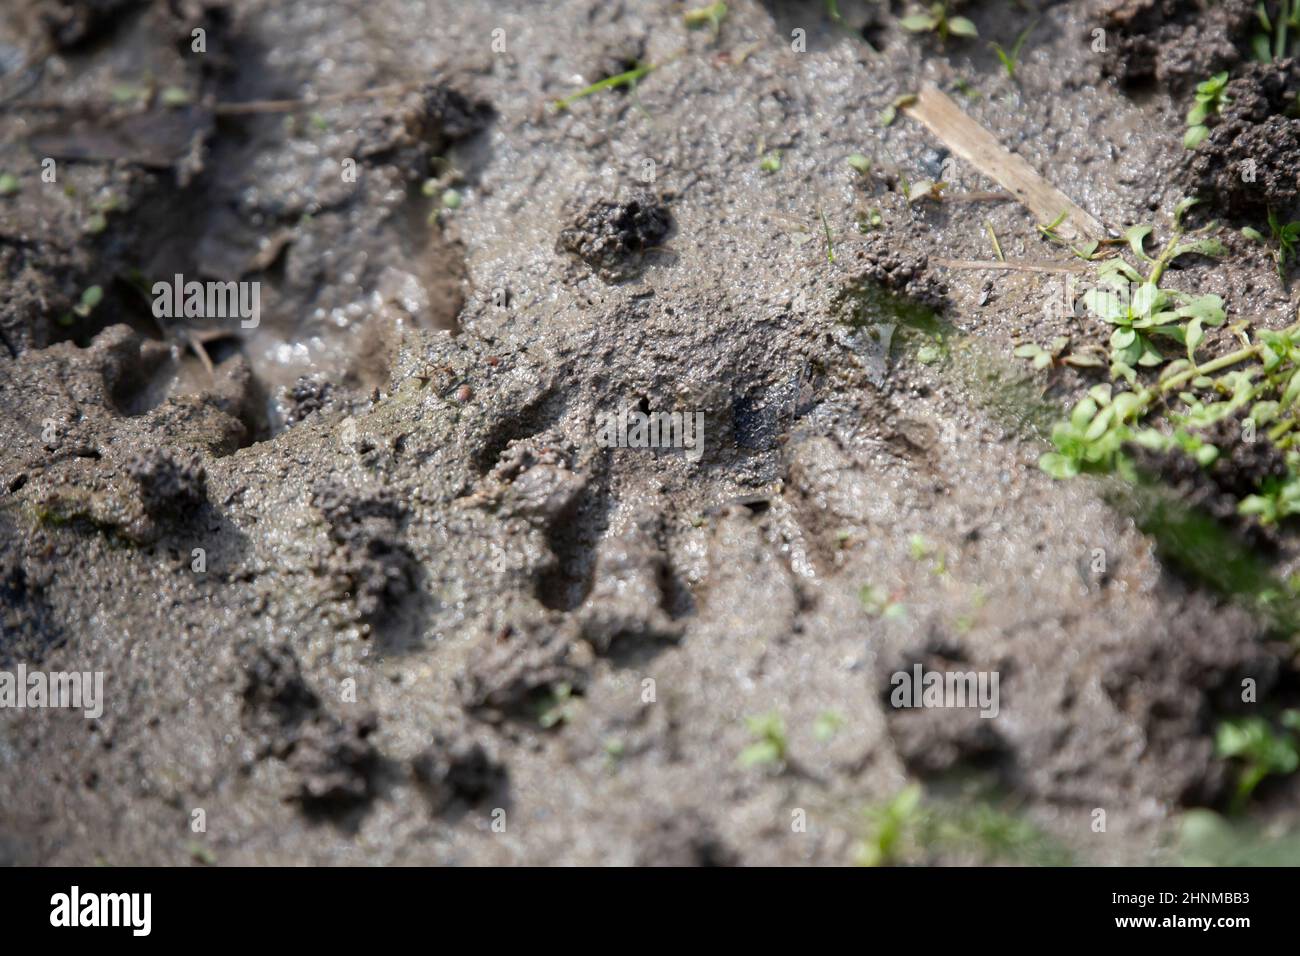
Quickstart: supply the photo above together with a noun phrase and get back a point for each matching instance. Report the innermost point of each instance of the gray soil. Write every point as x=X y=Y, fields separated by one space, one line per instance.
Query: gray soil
x=431 y=601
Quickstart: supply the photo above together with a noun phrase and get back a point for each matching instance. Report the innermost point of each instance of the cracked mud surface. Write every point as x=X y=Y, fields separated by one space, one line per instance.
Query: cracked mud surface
x=428 y=594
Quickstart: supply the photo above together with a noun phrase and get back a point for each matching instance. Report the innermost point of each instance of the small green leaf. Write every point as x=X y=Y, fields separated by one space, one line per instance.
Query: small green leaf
x=918 y=23
x=174 y=97
x=962 y=27
x=1136 y=236
x=1058 y=466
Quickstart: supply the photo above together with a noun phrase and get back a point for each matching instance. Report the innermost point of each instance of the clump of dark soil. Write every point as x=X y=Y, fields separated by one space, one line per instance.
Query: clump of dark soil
x=171 y=484
x=611 y=236
x=334 y=763
x=421 y=125
x=683 y=839
x=71 y=23
x=1250 y=162
x=309 y=394
x=458 y=769
x=1173 y=43
x=517 y=663
x=27 y=622
x=369 y=563
x=900 y=270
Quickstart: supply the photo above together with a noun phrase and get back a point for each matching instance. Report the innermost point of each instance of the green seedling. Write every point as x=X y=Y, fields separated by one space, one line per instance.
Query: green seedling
x=938 y=21
x=870 y=221
x=628 y=79
x=89 y=300
x=922 y=550
x=1287 y=238
x=129 y=93
x=1011 y=59
x=769 y=746
x=830 y=244
x=1087 y=252
x=907 y=829
x=859 y=163
x=1142 y=312
x=1210 y=101
x=993 y=239
x=890 y=112
x=710 y=16
x=1279 y=32
x=8 y=184
x=878 y=603
x=889 y=828
x=1059 y=353
x=173 y=97
x=558 y=707
x=1262 y=750
x=200 y=853
x=827 y=725
x=771 y=162
x=1258 y=383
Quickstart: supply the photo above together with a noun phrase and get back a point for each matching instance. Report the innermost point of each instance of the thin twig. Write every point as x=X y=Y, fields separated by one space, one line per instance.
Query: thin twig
x=1012 y=266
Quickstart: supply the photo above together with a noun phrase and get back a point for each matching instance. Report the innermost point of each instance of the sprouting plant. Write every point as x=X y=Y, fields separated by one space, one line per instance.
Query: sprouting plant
x=1257 y=384
x=174 y=97
x=878 y=603
x=90 y=298
x=771 y=162
x=1287 y=238
x=8 y=184
x=938 y=21
x=628 y=79
x=907 y=829
x=712 y=15
x=1210 y=100
x=889 y=827
x=769 y=746
x=890 y=112
x=869 y=221
x=922 y=550
x=1090 y=438
x=1060 y=353
x=1011 y=59
x=1087 y=252
x=827 y=725
x=830 y=245
x=860 y=163
x=1141 y=311
x=1276 y=42
x=557 y=707
x=1262 y=750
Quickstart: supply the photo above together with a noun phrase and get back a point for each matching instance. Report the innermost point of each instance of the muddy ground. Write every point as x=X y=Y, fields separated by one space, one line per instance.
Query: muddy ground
x=436 y=621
